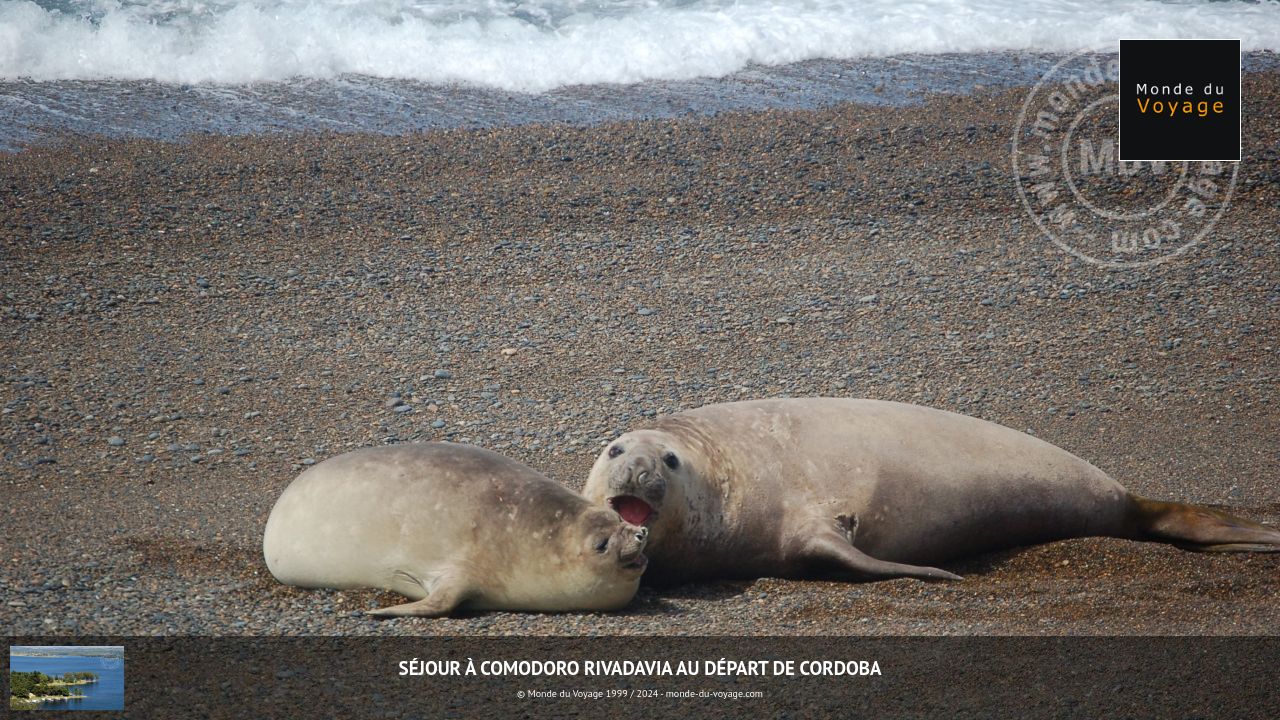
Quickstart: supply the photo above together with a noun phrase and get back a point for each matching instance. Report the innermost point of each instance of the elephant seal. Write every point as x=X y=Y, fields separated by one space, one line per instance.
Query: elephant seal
x=869 y=489
x=448 y=526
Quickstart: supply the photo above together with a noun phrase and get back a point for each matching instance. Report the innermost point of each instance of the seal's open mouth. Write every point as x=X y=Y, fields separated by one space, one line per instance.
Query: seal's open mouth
x=632 y=509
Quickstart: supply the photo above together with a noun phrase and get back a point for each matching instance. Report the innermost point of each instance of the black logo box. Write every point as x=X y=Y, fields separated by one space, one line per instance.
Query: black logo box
x=1157 y=80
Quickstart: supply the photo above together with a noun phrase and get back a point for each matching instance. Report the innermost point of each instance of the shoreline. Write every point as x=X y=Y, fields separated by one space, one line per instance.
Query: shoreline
x=54 y=698
x=46 y=114
x=32 y=702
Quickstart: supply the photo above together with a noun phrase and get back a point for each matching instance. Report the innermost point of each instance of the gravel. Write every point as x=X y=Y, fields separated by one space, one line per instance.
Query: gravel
x=855 y=251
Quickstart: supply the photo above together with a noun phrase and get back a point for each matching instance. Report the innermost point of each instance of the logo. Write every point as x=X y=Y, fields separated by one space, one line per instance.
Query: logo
x=1180 y=100
x=1091 y=204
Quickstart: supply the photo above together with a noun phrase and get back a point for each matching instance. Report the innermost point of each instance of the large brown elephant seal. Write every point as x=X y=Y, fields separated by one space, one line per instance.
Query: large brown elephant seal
x=451 y=525
x=868 y=489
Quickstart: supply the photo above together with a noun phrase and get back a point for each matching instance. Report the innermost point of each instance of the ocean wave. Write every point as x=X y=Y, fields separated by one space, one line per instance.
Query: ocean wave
x=543 y=44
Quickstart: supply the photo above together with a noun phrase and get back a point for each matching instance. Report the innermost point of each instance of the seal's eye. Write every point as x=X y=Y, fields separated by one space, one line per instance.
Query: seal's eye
x=602 y=545
x=615 y=451
x=671 y=460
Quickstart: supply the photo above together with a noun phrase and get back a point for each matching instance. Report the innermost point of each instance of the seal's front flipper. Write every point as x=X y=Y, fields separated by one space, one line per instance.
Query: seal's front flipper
x=833 y=549
x=1201 y=529
x=444 y=598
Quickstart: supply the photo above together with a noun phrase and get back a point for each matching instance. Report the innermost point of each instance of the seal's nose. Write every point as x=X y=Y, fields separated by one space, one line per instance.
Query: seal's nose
x=639 y=470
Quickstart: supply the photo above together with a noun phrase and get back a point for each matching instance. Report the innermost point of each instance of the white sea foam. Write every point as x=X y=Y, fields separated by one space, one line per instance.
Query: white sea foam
x=542 y=44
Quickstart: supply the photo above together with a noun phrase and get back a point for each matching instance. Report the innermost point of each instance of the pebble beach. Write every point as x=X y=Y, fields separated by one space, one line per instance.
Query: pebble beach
x=187 y=325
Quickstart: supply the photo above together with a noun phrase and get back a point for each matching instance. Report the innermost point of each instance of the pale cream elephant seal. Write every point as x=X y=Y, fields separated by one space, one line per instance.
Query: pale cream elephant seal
x=451 y=526
x=868 y=489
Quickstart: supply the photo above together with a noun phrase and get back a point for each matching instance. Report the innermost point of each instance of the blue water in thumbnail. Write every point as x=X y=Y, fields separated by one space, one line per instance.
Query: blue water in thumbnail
x=106 y=694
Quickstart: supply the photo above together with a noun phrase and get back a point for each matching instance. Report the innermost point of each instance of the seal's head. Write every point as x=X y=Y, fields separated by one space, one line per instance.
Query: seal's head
x=607 y=561
x=642 y=476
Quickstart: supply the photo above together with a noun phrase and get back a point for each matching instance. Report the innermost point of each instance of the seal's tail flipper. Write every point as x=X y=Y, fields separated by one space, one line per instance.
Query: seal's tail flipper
x=1201 y=529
